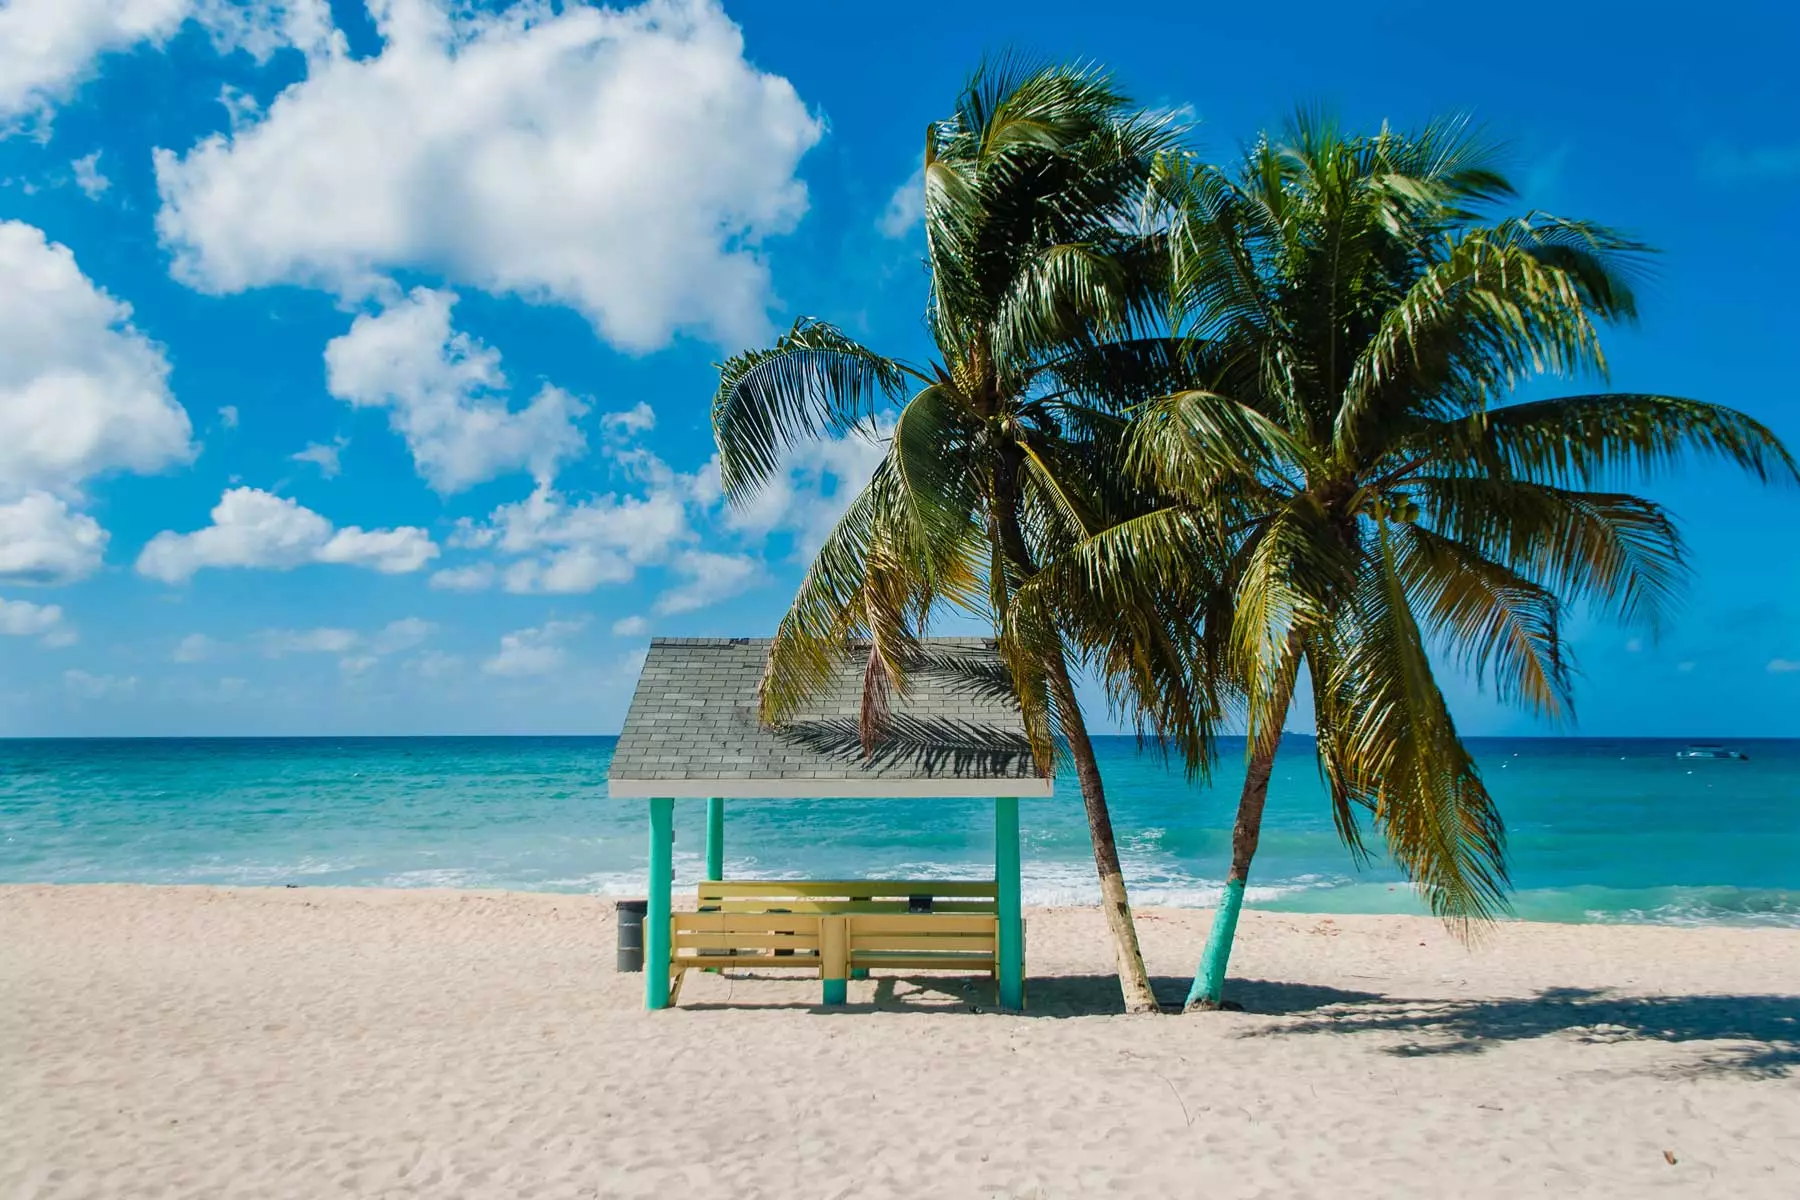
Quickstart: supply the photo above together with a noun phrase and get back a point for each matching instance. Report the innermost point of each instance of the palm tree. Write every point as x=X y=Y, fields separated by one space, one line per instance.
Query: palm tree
x=1047 y=286
x=1349 y=458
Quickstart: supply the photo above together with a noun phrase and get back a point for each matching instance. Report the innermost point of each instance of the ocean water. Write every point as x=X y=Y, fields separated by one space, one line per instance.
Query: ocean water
x=1600 y=830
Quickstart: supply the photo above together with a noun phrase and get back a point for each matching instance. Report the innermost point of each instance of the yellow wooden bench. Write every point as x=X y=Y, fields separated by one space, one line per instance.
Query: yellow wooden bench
x=837 y=928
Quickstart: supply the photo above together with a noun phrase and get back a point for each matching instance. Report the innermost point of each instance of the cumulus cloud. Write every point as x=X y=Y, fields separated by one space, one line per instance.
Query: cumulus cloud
x=254 y=528
x=527 y=652
x=49 y=47
x=1783 y=666
x=88 y=177
x=711 y=577
x=279 y=643
x=445 y=394
x=323 y=455
x=195 y=647
x=81 y=390
x=630 y=627
x=228 y=416
x=22 y=618
x=43 y=541
x=906 y=207
x=476 y=577
x=560 y=545
x=626 y=162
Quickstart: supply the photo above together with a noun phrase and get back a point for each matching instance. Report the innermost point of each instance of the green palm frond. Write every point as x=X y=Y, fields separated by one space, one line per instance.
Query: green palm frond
x=814 y=380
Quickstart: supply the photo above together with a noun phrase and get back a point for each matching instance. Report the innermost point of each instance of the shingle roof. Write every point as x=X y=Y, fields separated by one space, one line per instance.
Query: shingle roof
x=692 y=728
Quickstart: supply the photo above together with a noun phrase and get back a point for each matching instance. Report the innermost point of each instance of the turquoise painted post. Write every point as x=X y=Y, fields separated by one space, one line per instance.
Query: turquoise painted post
x=836 y=991
x=715 y=838
x=656 y=918
x=1209 y=983
x=1012 y=920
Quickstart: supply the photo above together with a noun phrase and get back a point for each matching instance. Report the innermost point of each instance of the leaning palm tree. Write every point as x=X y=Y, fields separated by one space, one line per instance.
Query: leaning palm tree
x=1047 y=288
x=1350 y=465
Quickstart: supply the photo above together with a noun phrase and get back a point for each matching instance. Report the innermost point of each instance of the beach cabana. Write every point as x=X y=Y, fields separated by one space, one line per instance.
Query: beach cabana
x=692 y=733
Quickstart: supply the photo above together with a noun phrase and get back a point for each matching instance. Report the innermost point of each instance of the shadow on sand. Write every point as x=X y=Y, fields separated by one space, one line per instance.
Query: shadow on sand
x=1768 y=1025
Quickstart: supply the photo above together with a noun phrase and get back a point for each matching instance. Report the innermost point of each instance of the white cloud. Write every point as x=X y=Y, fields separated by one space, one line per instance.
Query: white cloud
x=630 y=627
x=279 y=643
x=536 y=651
x=88 y=177
x=711 y=577
x=435 y=664
x=1783 y=666
x=43 y=541
x=1634 y=646
x=195 y=647
x=22 y=618
x=400 y=635
x=98 y=687
x=477 y=577
x=445 y=394
x=228 y=416
x=323 y=456
x=567 y=547
x=81 y=390
x=906 y=207
x=253 y=528
x=49 y=47
x=1686 y=667
x=625 y=162
x=639 y=418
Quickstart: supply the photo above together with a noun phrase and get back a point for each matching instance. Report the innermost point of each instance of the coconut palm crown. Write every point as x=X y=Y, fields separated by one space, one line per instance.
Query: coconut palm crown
x=1360 y=492
x=1046 y=289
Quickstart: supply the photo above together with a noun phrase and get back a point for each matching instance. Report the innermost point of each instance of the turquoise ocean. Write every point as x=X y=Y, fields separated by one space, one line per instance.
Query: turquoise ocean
x=1600 y=830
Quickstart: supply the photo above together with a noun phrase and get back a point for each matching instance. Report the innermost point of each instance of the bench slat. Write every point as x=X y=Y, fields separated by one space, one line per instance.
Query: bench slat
x=979 y=964
x=799 y=962
x=881 y=943
x=929 y=924
x=714 y=889
x=747 y=923
x=836 y=908
x=745 y=941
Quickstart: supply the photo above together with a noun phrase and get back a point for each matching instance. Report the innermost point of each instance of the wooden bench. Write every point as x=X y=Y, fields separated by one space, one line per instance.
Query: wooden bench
x=838 y=928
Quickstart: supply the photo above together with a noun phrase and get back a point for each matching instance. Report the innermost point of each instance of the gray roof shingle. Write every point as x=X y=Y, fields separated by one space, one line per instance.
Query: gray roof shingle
x=692 y=728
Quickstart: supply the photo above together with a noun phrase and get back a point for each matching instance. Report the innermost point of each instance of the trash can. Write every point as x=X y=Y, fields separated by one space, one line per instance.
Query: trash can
x=631 y=915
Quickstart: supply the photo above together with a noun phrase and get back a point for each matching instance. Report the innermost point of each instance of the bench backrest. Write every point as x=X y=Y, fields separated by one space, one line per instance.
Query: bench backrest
x=715 y=939
x=848 y=896
x=930 y=934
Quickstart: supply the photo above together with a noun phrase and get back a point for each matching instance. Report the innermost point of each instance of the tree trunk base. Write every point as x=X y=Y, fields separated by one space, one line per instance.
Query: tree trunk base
x=1204 y=1005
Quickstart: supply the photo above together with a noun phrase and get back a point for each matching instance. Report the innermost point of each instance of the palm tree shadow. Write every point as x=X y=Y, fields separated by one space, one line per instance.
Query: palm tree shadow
x=1767 y=1026
x=1098 y=995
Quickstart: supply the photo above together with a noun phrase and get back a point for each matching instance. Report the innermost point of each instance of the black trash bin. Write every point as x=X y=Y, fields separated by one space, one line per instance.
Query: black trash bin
x=631 y=933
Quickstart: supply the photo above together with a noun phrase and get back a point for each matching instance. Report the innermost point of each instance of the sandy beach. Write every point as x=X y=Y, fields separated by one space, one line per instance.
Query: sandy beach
x=160 y=1041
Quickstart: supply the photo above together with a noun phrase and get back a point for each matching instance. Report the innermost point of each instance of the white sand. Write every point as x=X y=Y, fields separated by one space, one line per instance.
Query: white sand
x=301 y=1043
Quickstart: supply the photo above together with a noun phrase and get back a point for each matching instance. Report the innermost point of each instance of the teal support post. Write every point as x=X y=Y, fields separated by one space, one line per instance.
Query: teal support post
x=1012 y=919
x=837 y=991
x=1209 y=981
x=656 y=918
x=715 y=838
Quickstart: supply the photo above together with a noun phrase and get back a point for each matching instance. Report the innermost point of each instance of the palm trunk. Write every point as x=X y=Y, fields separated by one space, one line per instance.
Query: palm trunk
x=1134 y=981
x=1208 y=992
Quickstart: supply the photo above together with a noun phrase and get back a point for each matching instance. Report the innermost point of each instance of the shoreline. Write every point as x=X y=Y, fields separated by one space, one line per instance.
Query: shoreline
x=258 y=1041
x=1276 y=899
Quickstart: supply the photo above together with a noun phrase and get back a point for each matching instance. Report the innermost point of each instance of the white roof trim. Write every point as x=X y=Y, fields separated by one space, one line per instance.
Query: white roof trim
x=825 y=789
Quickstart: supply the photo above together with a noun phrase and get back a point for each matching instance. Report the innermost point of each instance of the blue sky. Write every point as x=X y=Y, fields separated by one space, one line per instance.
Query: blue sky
x=355 y=360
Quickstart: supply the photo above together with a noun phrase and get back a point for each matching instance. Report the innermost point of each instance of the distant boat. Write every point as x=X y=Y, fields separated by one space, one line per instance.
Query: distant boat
x=1711 y=750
